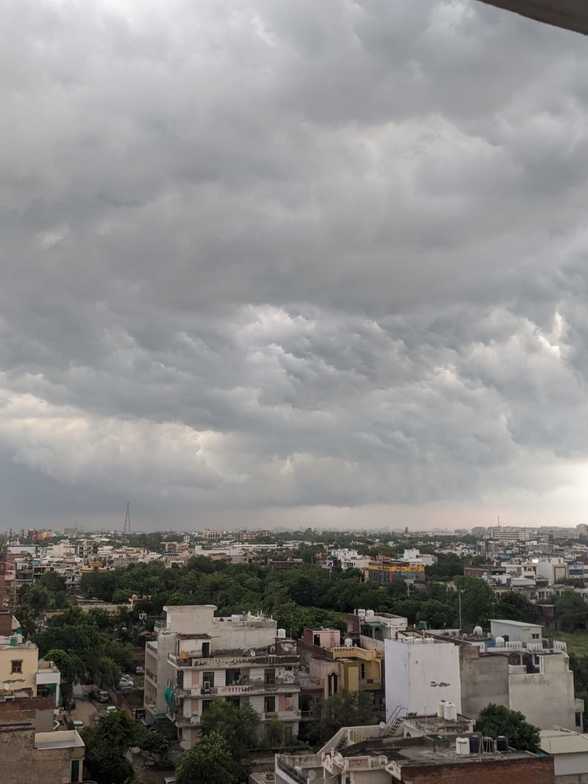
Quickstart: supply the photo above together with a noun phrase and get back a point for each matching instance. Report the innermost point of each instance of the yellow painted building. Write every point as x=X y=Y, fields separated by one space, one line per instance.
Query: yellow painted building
x=359 y=669
x=19 y=664
x=387 y=571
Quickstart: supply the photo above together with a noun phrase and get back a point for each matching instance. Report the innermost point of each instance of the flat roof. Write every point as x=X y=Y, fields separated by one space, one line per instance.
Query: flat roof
x=562 y=742
x=436 y=755
x=516 y=623
x=66 y=739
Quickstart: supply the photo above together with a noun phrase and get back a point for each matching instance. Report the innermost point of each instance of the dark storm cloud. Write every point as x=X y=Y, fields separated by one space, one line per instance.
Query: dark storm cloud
x=276 y=256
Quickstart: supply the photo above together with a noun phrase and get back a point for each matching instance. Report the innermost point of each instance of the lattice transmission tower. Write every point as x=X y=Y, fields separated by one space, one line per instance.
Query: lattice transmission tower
x=127 y=520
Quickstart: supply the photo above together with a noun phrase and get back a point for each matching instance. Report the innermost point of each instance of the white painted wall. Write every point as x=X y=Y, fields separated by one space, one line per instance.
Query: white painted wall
x=516 y=632
x=420 y=674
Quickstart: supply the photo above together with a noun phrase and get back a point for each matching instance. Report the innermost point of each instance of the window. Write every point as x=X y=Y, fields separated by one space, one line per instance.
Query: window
x=535 y=636
x=362 y=671
x=269 y=704
x=208 y=680
x=232 y=677
x=16 y=666
x=270 y=676
x=206 y=649
x=316 y=640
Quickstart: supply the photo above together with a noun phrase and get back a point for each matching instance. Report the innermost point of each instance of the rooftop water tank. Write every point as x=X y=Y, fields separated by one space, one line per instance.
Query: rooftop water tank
x=281 y=634
x=478 y=631
x=348 y=642
x=462 y=746
x=441 y=710
x=499 y=642
x=450 y=711
x=369 y=613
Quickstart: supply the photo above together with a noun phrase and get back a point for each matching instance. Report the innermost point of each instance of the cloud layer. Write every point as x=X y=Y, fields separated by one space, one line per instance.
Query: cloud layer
x=291 y=262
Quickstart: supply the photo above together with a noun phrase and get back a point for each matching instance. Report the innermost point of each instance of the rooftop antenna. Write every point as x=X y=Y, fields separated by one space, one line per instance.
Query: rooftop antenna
x=127 y=520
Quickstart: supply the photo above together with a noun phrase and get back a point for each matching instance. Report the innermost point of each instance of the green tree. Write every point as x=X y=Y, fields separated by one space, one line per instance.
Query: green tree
x=497 y=720
x=156 y=744
x=515 y=607
x=476 y=601
x=71 y=669
x=345 y=710
x=209 y=762
x=106 y=673
x=571 y=612
x=238 y=725
x=106 y=745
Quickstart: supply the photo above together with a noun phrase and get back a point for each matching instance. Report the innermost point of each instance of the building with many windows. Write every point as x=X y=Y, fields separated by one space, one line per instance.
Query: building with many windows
x=199 y=657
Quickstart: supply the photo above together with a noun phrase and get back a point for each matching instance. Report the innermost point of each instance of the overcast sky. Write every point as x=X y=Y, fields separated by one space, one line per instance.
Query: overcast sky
x=275 y=262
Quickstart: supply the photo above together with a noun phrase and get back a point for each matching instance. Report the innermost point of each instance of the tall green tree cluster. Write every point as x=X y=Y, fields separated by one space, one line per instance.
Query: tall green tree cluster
x=229 y=733
x=75 y=641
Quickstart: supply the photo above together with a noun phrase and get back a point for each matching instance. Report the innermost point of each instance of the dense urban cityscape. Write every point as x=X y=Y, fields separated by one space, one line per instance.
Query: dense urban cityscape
x=273 y=261
x=278 y=656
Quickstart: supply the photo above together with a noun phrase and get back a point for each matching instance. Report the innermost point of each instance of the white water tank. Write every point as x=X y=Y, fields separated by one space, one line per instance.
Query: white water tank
x=281 y=634
x=441 y=709
x=361 y=613
x=499 y=642
x=348 y=642
x=478 y=631
x=236 y=618
x=462 y=746
x=369 y=613
x=450 y=711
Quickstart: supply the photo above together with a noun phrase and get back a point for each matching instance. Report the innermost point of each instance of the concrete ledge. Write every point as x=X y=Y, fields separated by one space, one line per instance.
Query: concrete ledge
x=568 y=14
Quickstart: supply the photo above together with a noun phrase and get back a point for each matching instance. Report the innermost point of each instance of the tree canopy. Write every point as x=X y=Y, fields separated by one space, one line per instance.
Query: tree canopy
x=497 y=720
x=209 y=762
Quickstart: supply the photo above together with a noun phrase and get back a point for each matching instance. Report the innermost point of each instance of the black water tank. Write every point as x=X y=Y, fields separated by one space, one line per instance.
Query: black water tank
x=474 y=744
x=501 y=743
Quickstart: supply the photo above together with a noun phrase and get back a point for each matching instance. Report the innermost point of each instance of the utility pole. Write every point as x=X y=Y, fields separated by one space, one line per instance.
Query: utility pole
x=459 y=593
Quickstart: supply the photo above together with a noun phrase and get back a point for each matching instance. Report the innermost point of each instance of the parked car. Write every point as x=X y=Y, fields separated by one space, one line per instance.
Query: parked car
x=111 y=709
x=126 y=683
x=77 y=724
x=139 y=670
x=102 y=696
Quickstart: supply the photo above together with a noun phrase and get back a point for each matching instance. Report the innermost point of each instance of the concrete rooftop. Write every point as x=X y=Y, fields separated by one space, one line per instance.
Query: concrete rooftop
x=66 y=739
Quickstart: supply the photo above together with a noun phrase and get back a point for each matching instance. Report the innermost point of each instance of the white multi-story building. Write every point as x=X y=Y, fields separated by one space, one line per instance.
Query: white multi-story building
x=510 y=533
x=421 y=672
x=552 y=569
x=413 y=555
x=198 y=657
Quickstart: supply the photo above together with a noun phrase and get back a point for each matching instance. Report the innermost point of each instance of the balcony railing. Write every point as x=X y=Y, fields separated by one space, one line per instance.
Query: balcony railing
x=235 y=690
x=535 y=646
x=194 y=661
